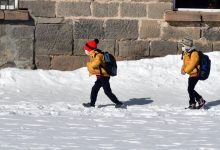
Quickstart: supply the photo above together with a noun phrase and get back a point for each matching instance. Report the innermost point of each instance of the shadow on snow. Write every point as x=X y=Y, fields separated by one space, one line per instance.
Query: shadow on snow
x=133 y=101
x=213 y=103
x=138 y=101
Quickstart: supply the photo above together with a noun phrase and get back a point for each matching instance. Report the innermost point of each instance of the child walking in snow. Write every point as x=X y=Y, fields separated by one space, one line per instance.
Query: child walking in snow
x=96 y=66
x=191 y=66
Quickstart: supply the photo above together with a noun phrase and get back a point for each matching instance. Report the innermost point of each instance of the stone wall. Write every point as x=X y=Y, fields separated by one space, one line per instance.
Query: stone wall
x=129 y=29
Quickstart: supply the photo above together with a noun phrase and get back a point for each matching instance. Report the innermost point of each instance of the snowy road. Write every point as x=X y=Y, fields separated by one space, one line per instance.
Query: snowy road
x=137 y=127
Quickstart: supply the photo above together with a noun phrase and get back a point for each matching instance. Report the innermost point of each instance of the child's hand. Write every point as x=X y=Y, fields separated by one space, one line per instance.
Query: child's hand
x=183 y=72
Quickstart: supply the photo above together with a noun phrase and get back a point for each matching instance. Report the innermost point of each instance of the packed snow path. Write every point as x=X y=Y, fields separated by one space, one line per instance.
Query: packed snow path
x=41 y=110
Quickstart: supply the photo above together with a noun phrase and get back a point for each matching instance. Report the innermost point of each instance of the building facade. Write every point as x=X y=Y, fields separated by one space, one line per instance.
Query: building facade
x=49 y=34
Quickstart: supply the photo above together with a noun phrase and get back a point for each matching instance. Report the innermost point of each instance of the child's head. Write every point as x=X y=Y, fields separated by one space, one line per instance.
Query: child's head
x=91 y=45
x=187 y=44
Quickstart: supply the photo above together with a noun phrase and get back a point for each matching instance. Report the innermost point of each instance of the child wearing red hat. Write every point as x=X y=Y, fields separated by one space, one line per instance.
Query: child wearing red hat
x=96 y=66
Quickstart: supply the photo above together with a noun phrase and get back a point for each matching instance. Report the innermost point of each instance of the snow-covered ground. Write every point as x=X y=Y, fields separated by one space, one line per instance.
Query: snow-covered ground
x=41 y=110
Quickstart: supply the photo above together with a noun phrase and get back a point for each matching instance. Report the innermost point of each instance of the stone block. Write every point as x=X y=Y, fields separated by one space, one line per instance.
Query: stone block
x=21 y=31
x=17 y=45
x=180 y=32
x=212 y=33
x=7 y=65
x=25 y=49
x=17 y=15
x=157 y=10
x=41 y=20
x=105 y=45
x=121 y=29
x=39 y=8
x=79 y=47
x=150 y=29
x=5 y=53
x=67 y=9
x=43 y=62
x=184 y=16
x=88 y=29
x=53 y=39
x=133 y=10
x=133 y=49
x=105 y=9
x=203 y=46
x=162 y=48
x=7 y=49
x=108 y=45
x=10 y=56
x=68 y=63
x=28 y=64
x=2 y=30
x=216 y=46
x=210 y=16
x=2 y=15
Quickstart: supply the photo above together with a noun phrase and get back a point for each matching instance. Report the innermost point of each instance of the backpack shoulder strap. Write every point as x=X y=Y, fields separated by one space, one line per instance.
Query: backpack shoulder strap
x=190 y=53
x=99 y=51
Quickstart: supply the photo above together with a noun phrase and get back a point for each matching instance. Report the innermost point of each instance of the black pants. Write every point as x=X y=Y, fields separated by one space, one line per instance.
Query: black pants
x=193 y=95
x=103 y=82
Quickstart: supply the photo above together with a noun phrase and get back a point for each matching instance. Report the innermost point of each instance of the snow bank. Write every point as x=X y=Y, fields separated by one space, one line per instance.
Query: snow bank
x=42 y=109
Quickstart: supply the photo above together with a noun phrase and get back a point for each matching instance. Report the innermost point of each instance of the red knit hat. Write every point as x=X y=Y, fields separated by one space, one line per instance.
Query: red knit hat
x=91 y=45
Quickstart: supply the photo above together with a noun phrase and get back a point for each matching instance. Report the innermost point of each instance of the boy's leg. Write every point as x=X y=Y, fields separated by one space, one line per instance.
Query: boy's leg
x=108 y=91
x=196 y=95
x=95 y=90
x=192 y=93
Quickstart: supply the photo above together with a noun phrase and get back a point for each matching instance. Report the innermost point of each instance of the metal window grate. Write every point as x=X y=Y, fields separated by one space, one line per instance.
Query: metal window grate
x=8 y=4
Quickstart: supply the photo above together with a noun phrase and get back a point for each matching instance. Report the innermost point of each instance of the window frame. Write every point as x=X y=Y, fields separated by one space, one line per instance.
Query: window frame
x=9 y=7
x=193 y=9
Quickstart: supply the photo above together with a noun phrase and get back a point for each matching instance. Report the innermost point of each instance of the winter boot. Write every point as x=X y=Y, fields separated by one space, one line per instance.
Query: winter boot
x=88 y=105
x=201 y=103
x=192 y=106
x=120 y=105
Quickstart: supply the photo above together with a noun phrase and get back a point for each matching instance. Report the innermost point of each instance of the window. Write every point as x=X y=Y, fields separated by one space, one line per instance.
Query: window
x=9 y=4
x=196 y=4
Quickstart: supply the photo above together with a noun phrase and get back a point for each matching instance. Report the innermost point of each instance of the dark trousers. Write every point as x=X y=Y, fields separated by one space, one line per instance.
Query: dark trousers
x=103 y=82
x=193 y=95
